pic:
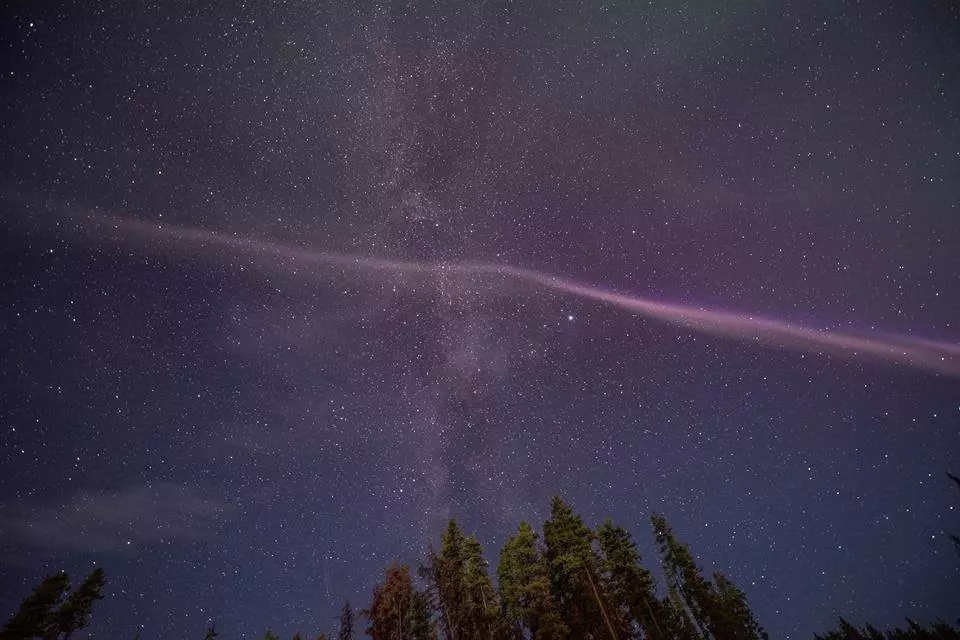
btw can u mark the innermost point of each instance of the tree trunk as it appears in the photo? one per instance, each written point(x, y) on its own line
point(596, 594)
point(653, 617)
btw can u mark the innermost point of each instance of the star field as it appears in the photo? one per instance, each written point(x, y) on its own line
point(287, 285)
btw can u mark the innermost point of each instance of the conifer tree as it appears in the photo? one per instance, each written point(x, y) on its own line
point(269, 635)
point(211, 633)
point(74, 614)
point(463, 595)
point(939, 630)
point(346, 622)
point(572, 563)
point(430, 572)
point(717, 610)
point(689, 591)
point(527, 602)
point(297, 636)
point(675, 622)
point(36, 616)
point(449, 575)
point(943, 631)
point(482, 614)
point(736, 619)
point(629, 583)
point(389, 613)
point(954, 538)
point(420, 622)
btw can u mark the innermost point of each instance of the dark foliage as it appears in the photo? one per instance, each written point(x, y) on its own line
point(575, 582)
point(52, 612)
point(940, 630)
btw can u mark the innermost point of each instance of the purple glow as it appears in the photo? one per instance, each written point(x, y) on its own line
point(930, 355)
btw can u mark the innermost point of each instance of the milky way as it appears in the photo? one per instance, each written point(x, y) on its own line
point(283, 286)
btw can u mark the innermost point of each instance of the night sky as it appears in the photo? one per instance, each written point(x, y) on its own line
point(285, 285)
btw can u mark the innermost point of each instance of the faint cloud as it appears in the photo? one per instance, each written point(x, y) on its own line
point(116, 521)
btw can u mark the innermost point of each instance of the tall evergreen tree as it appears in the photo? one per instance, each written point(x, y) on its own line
point(47, 615)
point(36, 616)
point(939, 630)
point(449, 576)
point(420, 623)
point(211, 633)
point(346, 622)
point(526, 600)
point(690, 593)
point(463, 595)
point(572, 565)
point(717, 610)
point(630, 584)
point(74, 614)
point(389, 613)
point(738, 621)
point(675, 622)
point(482, 611)
point(429, 571)
point(954, 538)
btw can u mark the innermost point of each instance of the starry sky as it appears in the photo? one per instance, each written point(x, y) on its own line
point(285, 285)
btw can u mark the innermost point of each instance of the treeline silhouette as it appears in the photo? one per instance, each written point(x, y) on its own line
point(572, 583)
point(52, 611)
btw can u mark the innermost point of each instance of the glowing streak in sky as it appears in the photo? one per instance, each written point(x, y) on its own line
point(931, 355)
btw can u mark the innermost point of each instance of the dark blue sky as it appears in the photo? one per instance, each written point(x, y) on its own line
point(237, 433)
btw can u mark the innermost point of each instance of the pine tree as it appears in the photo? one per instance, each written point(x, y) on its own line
point(269, 635)
point(939, 630)
point(420, 623)
point(718, 610)
point(738, 621)
point(690, 593)
point(675, 622)
point(390, 610)
point(211, 633)
point(572, 563)
point(36, 618)
point(525, 596)
point(482, 611)
point(449, 575)
point(74, 614)
point(943, 631)
point(297, 636)
point(429, 571)
point(629, 583)
point(346, 623)
point(460, 589)
point(954, 538)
